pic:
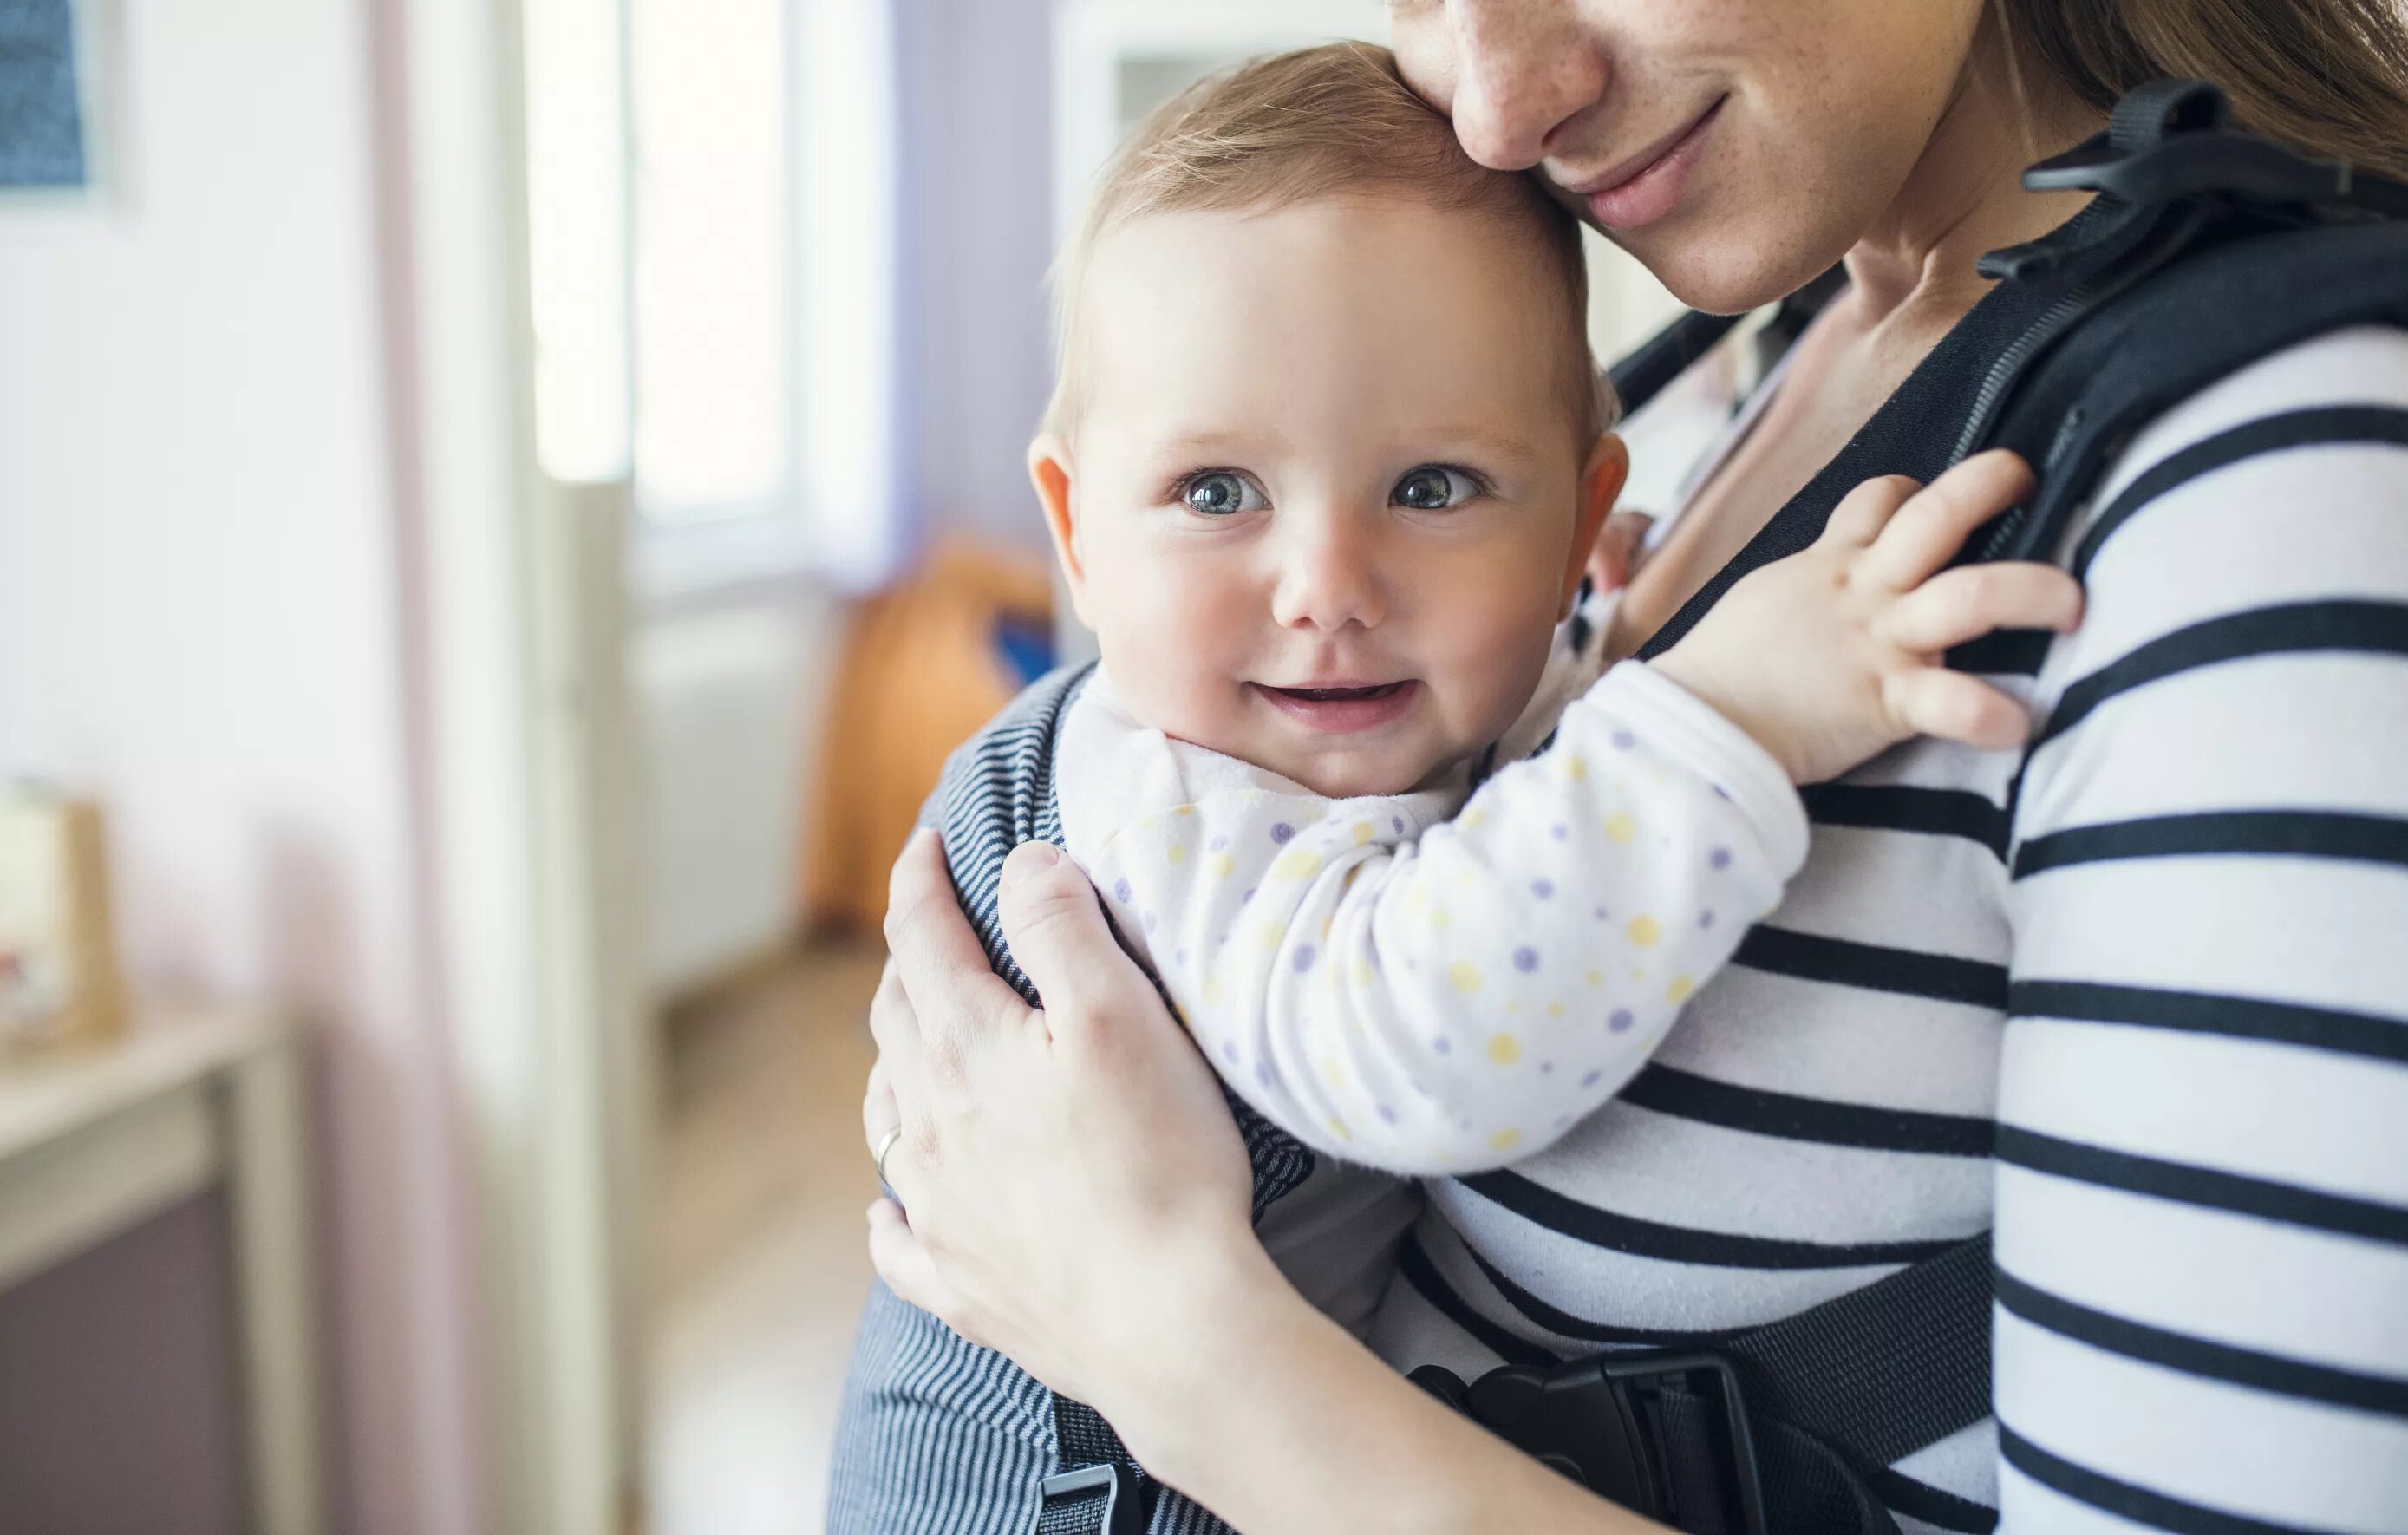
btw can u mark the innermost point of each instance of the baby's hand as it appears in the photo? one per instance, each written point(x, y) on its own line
point(1834, 654)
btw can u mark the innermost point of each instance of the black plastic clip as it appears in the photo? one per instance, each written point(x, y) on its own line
point(1599, 1421)
point(1123, 1512)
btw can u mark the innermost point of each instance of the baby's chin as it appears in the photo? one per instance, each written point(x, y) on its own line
point(1348, 775)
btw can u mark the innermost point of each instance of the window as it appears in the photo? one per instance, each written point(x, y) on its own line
point(712, 316)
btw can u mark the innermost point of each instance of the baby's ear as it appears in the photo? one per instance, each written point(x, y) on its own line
point(1050, 471)
point(1601, 484)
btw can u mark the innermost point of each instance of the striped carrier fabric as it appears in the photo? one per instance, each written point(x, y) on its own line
point(939, 1436)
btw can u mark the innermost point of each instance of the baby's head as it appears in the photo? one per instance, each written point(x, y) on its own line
point(1328, 452)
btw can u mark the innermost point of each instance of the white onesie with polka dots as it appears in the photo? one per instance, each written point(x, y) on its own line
point(1428, 994)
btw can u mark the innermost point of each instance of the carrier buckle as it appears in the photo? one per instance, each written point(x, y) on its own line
point(1121, 1514)
point(1601, 1421)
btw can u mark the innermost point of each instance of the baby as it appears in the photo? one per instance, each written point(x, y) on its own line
point(1323, 471)
point(1425, 880)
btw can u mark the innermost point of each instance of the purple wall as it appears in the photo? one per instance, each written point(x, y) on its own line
point(976, 105)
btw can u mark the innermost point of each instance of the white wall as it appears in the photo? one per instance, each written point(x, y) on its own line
point(729, 698)
point(200, 617)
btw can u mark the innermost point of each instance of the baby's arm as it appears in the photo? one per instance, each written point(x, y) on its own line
point(1458, 1002)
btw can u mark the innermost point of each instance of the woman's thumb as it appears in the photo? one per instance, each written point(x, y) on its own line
point(1058, 932)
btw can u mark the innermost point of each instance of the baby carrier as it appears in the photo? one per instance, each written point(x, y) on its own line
point(2204, 251)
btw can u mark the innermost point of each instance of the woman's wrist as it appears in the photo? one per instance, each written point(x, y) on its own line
point(1177, 1371)
point(1276, 1418)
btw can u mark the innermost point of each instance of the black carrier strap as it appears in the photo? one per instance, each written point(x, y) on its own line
point(1782, 1428)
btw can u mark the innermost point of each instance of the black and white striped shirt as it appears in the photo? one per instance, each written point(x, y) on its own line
point(2137, 996)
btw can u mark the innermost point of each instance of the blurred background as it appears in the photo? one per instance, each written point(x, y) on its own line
point(503, 509)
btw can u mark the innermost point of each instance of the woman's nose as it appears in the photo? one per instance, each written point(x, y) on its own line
point(1328, 579)
point(1523, 69)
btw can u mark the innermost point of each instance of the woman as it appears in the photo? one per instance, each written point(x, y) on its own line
point(2199, 1191)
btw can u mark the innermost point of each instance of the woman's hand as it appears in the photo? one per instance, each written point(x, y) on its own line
point(1074, 1178)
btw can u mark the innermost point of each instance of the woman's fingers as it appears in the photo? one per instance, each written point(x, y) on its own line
point(1935, 702)
point(879, 1112)
point(955, 999)
point(1925, 533)
point(1058, 932)
point(1972, 600)
point(897, 1030)
point(903, 1263)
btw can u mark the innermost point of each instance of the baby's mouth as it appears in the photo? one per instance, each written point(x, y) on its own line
point(1344, 708)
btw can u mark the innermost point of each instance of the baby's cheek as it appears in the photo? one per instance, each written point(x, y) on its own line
point(1491, 666)
point(1177, 677)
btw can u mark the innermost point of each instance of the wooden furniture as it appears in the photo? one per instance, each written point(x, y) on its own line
point(922, 672)
point(95, 1142)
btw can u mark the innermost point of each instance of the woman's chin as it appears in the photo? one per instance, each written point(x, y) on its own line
point(1742, 264)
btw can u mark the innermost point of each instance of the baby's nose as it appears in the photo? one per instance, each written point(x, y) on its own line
point(1328, 578)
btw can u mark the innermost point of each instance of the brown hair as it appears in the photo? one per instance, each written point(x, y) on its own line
point(1333, 120)
point(2328, 77)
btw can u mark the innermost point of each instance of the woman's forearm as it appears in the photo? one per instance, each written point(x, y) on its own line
point(1271, 1415)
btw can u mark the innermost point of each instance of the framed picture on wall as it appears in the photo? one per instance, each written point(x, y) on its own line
point(53, 144)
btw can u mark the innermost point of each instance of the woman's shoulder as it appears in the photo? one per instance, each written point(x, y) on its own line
point(2359, 364)
point(2279, 450)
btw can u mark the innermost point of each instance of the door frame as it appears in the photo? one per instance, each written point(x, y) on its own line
point(528, 799)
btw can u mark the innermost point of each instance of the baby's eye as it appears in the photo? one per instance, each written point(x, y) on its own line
point(1434, 487)
point(1222, 492)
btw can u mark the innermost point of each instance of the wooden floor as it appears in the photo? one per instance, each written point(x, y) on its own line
point(759, 1179)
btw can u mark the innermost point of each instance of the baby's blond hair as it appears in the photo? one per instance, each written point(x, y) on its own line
point(1333, 120)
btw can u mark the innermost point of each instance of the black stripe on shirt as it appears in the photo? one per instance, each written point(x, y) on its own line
point(2206, 1012)
point(1543, 1206)
point(1563, 1323)
point(1787, 1116)
point(2273, 1373)
point(1883, 807)
point(2138, 1504)
point(2209, 834)
point(2208, 1187)
point(2296, 628)
point(1873, 967)
point(1924, 1501)
point(1422, 1275)
point(2327, 425)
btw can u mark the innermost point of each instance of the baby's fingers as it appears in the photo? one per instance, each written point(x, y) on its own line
point(1969, 601)
point(1935, 702)
point(1928, 531)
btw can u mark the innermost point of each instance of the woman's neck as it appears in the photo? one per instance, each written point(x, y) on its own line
point(1965, 196)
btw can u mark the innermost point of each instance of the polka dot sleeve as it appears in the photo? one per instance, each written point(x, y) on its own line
point(1443, 998)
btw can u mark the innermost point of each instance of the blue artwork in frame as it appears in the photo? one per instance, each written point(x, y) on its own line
point(47, 143)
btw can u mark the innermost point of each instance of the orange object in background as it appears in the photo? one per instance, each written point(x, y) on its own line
point(924, 669)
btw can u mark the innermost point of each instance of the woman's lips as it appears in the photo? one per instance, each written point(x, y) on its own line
point(1631, 198)
point(1341, 710)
